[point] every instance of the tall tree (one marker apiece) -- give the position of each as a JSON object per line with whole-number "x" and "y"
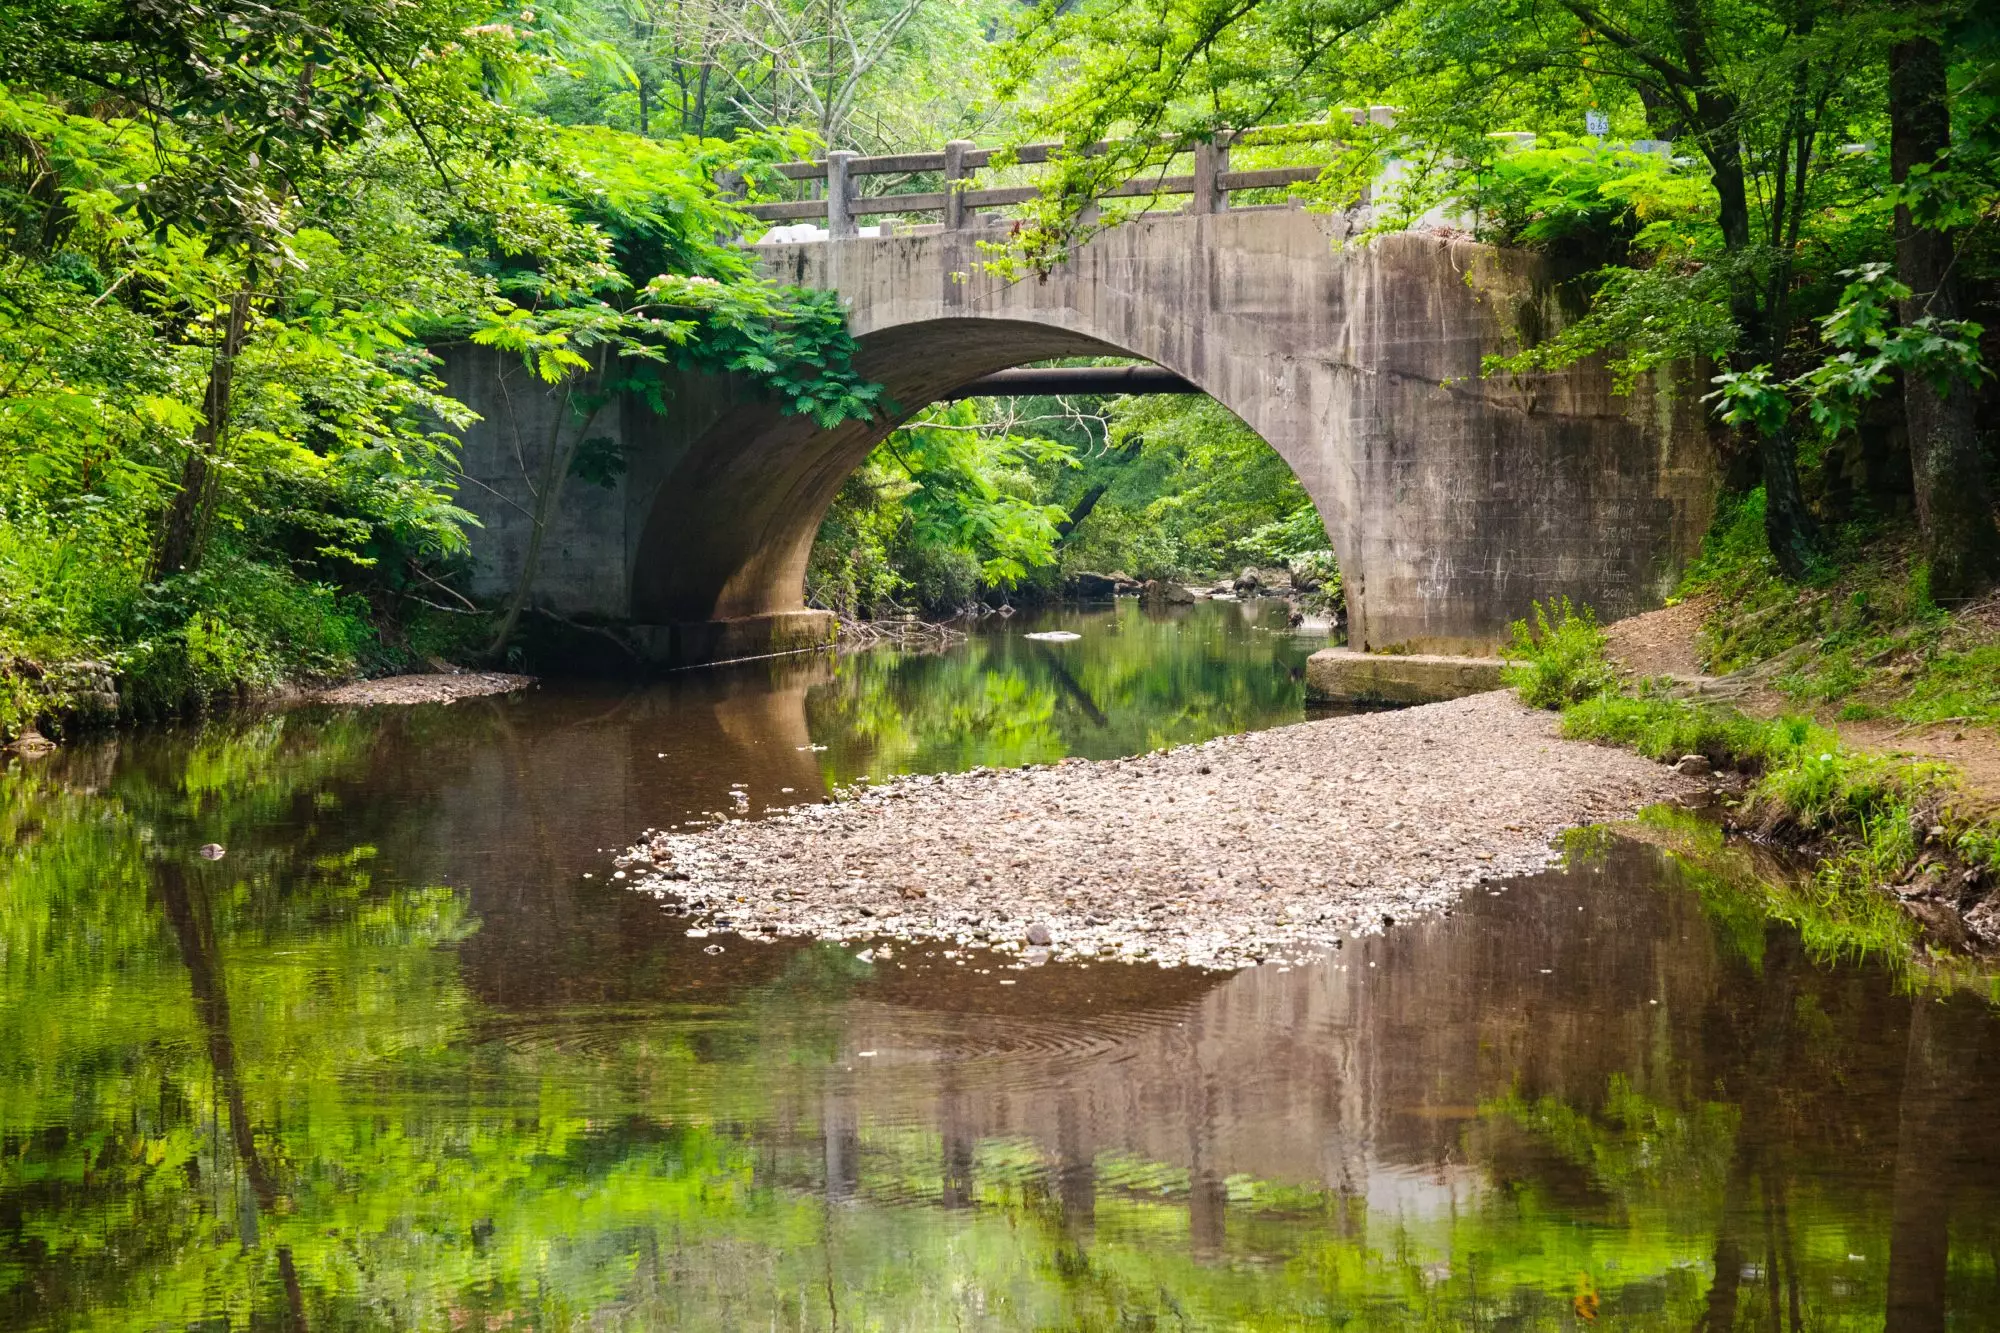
{"x": 244, "y": 102}
{"x": 1953, "y": 500}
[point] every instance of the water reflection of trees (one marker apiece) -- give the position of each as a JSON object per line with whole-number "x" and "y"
{"x": 266, "y": 1090}
{"x": 1135, "y": 681}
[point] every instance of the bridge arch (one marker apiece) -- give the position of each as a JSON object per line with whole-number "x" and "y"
{"x": 1452, "y": 499}
{"x": 730, "y": 539}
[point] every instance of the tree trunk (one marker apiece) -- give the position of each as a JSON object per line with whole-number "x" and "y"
{"x": 183, "y": 532}
{"x": 1081, "y": 510}
{"x": 1954, "y": 502}
{"x": 1790, "y": 529}
{"x": 1939, "y": 1098}
{"x": 186, "y": 905}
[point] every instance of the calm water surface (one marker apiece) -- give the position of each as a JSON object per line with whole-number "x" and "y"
{"x": 407, "y": 1059}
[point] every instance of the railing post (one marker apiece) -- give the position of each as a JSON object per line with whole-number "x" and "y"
{"x": 955, "y": 176}
{"x": 839, "y": 195}
{"x": 1210, "y": 161}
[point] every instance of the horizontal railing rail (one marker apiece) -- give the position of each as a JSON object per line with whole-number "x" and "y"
{"x": 840, "y": 203}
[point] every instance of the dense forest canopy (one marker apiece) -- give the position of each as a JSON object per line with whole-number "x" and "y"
{"x": 233, "y": 235}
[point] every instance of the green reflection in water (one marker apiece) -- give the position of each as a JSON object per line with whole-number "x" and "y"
{"x": 1134, "y": 680}
{"x": 300, "y": 1087}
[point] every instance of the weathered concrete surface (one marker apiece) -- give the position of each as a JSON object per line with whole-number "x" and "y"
{"x": 1343, "y": 675}
{"x": 737, "y": 638}
{"x": 1452, "y": 500}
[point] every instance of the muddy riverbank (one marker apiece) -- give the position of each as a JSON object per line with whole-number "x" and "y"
{"x": 1271, "y": 846}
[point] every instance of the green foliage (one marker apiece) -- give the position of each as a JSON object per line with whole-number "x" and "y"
{"x": 876, "y": 75}
{"x": 1869, "y": 351}
{"x": 1569, "y": 193}
{"x": 1560, "y": 659}
{"x": 943, "y": 509}
{"x": 1193, "y": 491}
{"x": 1870, "y": 814}
{"x": 1866, "y": 635}
{"x": 1665, "y": 729}
{"x": 990, "y": 496}
{"x": 192, "y": 248}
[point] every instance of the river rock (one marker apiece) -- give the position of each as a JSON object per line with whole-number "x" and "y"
{"x": 1039, "y": 936}
{"x": 1097, "y": 586}
{"x": 1692, "y": 766}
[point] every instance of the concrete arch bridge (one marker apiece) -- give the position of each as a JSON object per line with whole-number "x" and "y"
{"x": 1452, "y": 500}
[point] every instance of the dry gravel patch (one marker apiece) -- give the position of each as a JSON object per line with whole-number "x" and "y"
{"x": 425, "y": 688}
{"x": 1268, "y": 846}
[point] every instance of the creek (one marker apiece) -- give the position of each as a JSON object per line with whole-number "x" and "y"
{"x": 407, "y": 1056}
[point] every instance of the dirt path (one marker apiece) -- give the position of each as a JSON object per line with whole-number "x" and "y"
{"x": 1660, "y": 643}
{"x": 1272, "y": 845}
{"x": 1663, "y": 643}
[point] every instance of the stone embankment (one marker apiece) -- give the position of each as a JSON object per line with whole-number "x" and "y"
{"x": 1272, "y": 845}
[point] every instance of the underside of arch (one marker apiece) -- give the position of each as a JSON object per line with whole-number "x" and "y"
{"x": 731, "y": 529}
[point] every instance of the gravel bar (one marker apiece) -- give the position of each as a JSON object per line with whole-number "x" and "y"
{"x": 429, "y": 688}
{"x": 1268, "y": 846}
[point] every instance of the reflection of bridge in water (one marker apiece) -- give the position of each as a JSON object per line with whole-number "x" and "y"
{"x": 1452, "y": 499}
{"x": 1361, "y": 1077}
{"x": 1397, "y": 1083}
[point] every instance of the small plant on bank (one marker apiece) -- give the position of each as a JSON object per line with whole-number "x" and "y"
{"x": 1562, "y": 659}
{"x": 1881, "y": 825}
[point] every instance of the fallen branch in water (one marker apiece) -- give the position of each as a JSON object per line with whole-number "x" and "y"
{"x": 907, "y": 633}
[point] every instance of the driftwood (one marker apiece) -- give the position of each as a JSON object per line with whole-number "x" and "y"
{"x": 905, "y": 632}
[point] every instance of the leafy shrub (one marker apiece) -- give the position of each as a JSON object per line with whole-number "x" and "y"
{"x": 943, "y": 578}
{"x": 1561, "y": 660}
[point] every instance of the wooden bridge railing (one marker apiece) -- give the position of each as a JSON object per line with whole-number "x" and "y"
{"x": 960, "y": 200}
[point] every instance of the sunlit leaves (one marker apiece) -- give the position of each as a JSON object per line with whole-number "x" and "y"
{"x": 973, "y": 490}
{"x": 1869, "y": 350}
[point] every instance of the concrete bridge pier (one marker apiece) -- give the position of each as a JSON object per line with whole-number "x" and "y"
{"x": 1452, "y": 500}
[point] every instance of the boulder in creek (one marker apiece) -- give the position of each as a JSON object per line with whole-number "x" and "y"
{"x": 1097, "y": 586}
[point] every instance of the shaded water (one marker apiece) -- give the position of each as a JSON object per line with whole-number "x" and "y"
{"x": 406, "y": 1058}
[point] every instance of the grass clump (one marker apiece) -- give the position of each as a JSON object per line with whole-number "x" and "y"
{"x": 1666, "y": 729}
{"x": 1863, "y": 636}
{"x": 1560, "y": 659}
{"x": 1882, "y": 829}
